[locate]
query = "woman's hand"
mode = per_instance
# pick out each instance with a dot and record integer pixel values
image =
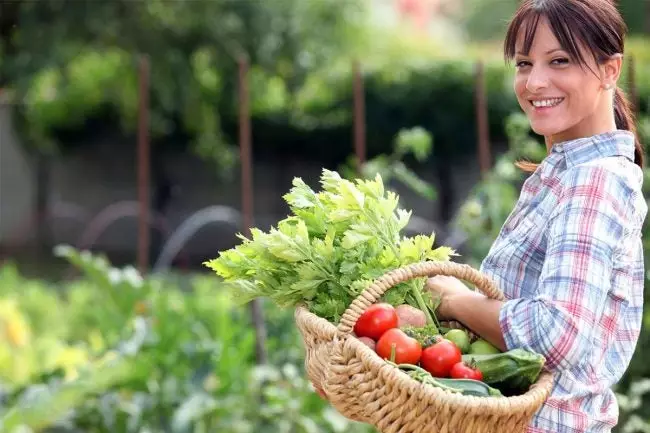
(447, 288)
(471, 308)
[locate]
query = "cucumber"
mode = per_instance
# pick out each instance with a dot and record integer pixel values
(511, 372)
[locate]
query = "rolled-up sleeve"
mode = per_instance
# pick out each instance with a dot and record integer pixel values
(582, 238)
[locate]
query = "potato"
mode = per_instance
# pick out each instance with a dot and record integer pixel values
(410, 316)
(368, 342)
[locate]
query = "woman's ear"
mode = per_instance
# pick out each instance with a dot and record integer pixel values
(611, 70)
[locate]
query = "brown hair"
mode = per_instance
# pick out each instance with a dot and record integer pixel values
(595, 23)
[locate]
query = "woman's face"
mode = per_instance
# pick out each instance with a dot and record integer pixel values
(561, 98)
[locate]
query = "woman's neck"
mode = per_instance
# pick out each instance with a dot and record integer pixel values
(593, 125)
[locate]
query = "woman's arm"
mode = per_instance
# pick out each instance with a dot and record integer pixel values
(480, 314)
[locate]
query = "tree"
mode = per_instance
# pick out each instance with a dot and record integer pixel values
(83, 52)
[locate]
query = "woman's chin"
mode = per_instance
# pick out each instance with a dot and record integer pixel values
(545, 129)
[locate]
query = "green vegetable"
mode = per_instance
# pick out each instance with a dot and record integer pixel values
(471, 387)
(426, 335)
(461, 386)
(332, 246)
(482, 347)
(512, 372)
(460, 338)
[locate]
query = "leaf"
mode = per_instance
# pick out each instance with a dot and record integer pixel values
(410, 179)
(307, 288)
(351, 196)
(301, 195)
(416, 141)
(442, 254)
(403, 218)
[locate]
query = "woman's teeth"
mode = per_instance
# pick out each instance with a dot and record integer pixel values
(547, 102)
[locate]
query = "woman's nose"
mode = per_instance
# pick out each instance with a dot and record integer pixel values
(537, 80)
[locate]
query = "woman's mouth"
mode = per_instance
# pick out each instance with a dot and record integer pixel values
(543, 104)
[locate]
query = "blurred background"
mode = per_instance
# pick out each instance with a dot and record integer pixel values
(137, 138)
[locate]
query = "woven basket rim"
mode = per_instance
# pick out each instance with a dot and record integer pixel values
(427, 268)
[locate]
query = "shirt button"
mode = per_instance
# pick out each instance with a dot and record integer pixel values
(559, 148)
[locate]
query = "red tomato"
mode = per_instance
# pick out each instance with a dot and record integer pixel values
(440, 358)
(376, 320)
(461, 370)
(407, 349)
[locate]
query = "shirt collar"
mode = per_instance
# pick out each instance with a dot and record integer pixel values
(581, 150)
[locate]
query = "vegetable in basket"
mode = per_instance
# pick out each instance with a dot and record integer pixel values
(399, 347)
(513, 372)
(439, 358)
(460, 338)
(376, 320)
(332, 246)
(426, 335)
(471, 387)
(410, 316)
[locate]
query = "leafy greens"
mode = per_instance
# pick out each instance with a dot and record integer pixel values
(335, 243)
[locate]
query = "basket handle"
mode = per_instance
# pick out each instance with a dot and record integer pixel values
(424, 269)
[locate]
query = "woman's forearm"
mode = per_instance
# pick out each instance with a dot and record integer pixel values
(479, 313)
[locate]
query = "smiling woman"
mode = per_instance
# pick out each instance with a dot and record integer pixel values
(569, 257)
(568, 57)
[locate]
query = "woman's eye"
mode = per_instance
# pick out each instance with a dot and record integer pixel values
(560, 61)
(522, 63)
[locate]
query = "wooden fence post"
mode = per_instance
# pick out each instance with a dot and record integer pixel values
(144, 162)
(359, 116)
(245, 149)
(482, 126)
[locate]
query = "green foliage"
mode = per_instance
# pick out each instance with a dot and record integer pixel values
(300, 76)
(333, 245)
(635, 14)
(630, 404)
(83, 66)
(286, 113)
(415, 142)
(488, 19)
(115, 352)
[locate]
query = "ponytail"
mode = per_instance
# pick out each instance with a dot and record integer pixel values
(625, 119)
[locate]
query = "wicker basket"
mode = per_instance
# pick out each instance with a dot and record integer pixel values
(363, 387)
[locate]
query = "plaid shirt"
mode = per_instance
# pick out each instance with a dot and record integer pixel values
(569, 260)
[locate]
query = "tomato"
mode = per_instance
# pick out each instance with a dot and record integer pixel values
(461, 370)
(376, 320)
(407, 350)
(440, 358)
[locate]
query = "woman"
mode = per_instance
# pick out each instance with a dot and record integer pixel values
(569, 257)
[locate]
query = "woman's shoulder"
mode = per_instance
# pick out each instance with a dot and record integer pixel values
(606, 181)
(603, 174)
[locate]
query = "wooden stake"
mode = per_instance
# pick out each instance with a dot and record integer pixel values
(245, 148)
(143, 165)
(482, 126)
